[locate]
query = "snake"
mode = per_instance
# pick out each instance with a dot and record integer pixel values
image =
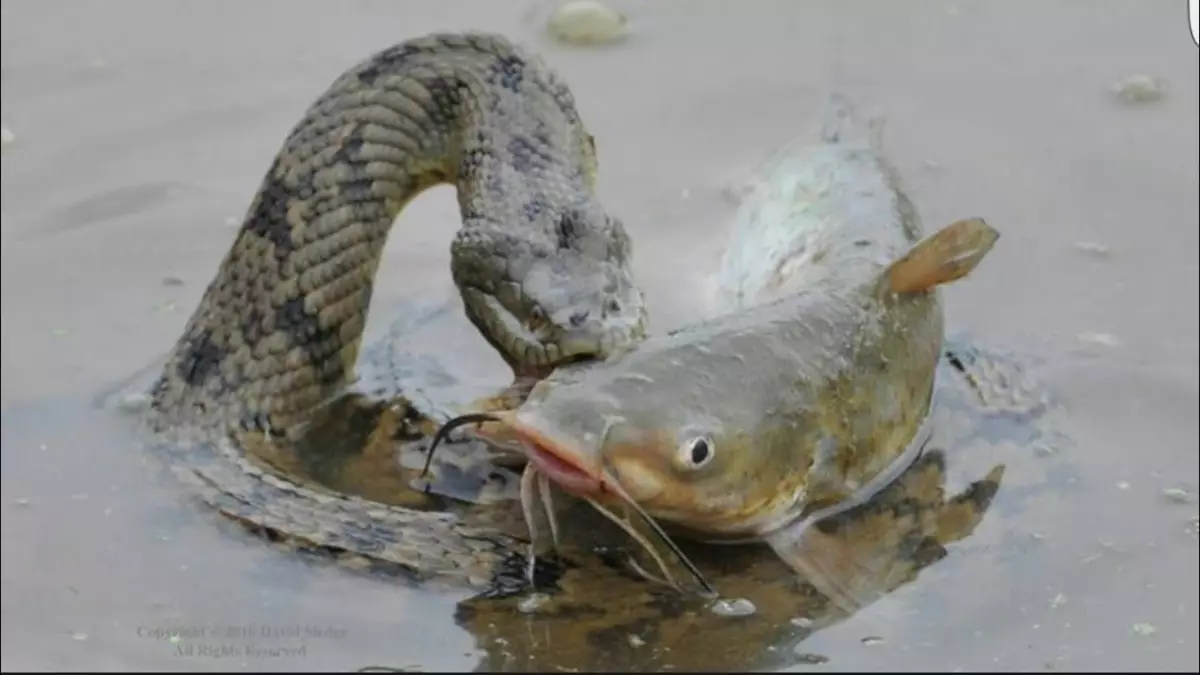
(264, 370)
(542, 267)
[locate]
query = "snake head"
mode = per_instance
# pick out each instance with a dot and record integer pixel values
(549, 293)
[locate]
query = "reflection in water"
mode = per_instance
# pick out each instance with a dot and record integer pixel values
(120, 202)
(855, 558)
(600, 615)
(602, 618)
(597, 614)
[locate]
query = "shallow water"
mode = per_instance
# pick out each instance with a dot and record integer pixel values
(141, 128)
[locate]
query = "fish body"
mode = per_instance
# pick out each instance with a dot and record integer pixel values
(812, 384)
(812, 198)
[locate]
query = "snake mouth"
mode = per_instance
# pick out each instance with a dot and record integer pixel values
(537, 372)
(533, 347)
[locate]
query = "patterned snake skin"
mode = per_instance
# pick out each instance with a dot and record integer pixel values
(543, 270)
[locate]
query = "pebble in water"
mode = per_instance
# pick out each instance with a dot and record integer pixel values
(1144, 629)
(1177, 495)
(810, 659)
(1094, 248)
(733, 607)
(802, 622)
(587, 22)
(1139, 89)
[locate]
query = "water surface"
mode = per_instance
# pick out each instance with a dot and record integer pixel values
(143, 128)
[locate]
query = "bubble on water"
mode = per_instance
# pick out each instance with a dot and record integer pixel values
(733, 607)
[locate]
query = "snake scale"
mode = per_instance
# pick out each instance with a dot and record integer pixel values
(544, 273)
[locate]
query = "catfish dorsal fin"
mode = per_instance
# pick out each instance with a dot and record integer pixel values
(944, 256)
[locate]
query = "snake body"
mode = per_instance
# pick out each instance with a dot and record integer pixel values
(542, 267)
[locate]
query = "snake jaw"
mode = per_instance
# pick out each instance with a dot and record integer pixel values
(534, 343)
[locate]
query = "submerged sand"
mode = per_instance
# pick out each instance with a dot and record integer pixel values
(141, 129)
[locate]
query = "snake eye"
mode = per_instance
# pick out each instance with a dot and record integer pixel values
(697, 452)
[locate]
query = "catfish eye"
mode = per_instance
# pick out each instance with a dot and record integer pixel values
(697, 452)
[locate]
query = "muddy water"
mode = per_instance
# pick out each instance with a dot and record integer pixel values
(141, 128)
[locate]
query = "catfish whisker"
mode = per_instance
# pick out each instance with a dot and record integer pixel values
(449, 426)
(529, 490)
(637, 567)
(666, 539)
(639, 538)
(548, 506)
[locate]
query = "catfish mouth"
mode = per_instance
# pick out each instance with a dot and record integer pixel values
(557, 462)
(554, 460)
